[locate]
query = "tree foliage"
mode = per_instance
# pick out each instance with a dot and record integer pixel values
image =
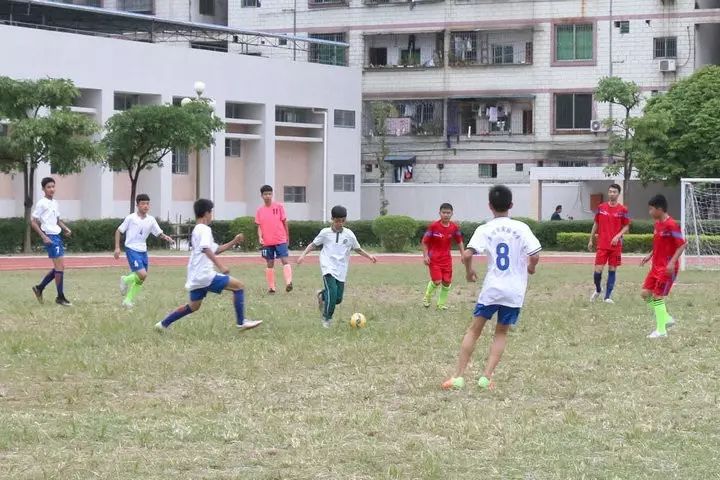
(42, 128)
(381, 112)
(141, 137)
(680, 130)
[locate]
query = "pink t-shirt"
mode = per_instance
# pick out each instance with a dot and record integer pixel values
(270, 219)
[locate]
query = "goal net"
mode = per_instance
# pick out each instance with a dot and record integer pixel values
(701, 223)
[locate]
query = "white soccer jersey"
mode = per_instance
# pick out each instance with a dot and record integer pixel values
(137, 229)
(335, 253)
(508, 243)
(48, 212)
(201, 270)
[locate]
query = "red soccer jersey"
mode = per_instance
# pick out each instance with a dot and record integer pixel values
(438, 239)
(667, 239)
(610, 220)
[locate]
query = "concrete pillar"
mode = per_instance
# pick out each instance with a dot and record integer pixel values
(535, 199)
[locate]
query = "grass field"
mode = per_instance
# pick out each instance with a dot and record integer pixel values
(94, 392)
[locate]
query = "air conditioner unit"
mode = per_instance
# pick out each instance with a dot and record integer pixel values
(596, 126)
(668, 65)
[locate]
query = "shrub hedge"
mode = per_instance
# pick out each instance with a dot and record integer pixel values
(97, 235)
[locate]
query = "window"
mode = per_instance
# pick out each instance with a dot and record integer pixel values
(177, 101)
(345, 118)
(180, 164)
(294, 194)
(368, 168)
(666, 47)
(573, 163)
(573, 111)
(291, 115)
(377, 57)
(410, 57)
(146, 7)
(232, 147)
(623, 25)
(233, 110)
(503, 54)
(519, 167)
(218, 46)
(574, 42)
(487, 170)
(207, 7)
(344, 183)
(125, 101)
(327, 54)
(282, 42)
(250, 3)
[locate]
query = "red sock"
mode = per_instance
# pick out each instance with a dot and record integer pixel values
(270, 277)
(287, 273)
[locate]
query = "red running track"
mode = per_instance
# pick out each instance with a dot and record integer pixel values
(11, 263)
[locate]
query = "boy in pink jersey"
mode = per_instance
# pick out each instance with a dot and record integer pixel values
(274, 237)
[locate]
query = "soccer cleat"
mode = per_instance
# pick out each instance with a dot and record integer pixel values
(63, 302)
(38, 293)
(426, 302)
(271, 291)
(159, 327)
(670, 323)
(656, 334)
(453, 383)
(320, 300)
(594, 296)
(127, 304)
(248, 324)
(326, 323)
(486, 383)
(442, 307)
(123, 286)
(289, 287)
(608, 300)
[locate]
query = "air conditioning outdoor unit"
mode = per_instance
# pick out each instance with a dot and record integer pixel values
(668, 66)
(596, 126)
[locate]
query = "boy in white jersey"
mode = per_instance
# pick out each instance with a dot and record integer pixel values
(46, 222)
(137, 227)
(202, 277)
(513, 252)
(337, 242)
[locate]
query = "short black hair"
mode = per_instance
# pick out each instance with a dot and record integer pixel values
(265, 188)
(338, 211)
(659, 201)
(202, 206)
(446, 206)
(500, 198)
(142, 197)
(616, 187)
(47, 180)
(559, 207)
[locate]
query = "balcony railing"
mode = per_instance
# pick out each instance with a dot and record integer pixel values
(328, 3)
(491, 48)
(415, 50)
(373, 3)
(137, 6)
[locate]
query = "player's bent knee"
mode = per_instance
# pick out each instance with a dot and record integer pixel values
(195, 306)
(234, 284)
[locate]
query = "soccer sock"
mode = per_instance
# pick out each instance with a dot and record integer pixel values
(130, 278)
(597, 277)
(270, 277)
(47, 279)
(239, 303)
(176, 315)
(133, 291)
(660, 315)
(610, 284)
(287, 273)
(430, 290)
(442, 298)
(59, 283)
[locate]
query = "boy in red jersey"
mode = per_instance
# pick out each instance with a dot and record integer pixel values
(436, 245)
(668, 245)
(612, 221)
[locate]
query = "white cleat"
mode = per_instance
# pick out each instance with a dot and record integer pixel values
(128, 305)
(656, 334)
(248, 324)
(608, 300)
(123, 287)
(594, 296)
(670, 323)
(326, 323)
(159, 327)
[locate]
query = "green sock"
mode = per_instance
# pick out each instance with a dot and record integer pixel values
(133, 290)
(660, 315)
(442, 298)
(130, 278)
(430, 290)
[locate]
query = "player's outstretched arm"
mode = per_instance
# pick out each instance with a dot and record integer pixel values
(307, 250)
(365, 254)
(116, 253)
(231, 244)
(213, 258)
(168, 239)
(467, 258)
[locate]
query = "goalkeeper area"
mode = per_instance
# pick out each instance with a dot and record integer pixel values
(700, 222)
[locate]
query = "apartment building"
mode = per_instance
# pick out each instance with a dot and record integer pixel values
(485, 90)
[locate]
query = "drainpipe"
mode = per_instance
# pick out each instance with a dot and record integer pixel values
(325, 157)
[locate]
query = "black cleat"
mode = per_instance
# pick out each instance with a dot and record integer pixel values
(289, 287)
(63, 301)
(271, 292)
(38, 293)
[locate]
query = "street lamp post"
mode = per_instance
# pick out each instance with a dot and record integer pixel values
(199, 87)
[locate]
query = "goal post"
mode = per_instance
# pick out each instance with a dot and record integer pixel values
(700, 222)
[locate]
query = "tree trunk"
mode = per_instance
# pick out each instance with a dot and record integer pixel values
(29, 193)
(383, 201)
(627, 167)
(133, 189)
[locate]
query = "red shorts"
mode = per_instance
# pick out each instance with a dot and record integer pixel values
(611, 256)
(659, 283)
(441, 273)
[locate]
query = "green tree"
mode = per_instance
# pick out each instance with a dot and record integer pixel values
(680, 131)
(381, 112)
(622, 146)
(41, 128)
(139, 138)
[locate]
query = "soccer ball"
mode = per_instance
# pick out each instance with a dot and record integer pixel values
(358, 320)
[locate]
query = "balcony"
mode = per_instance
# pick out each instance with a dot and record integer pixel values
(412, 118)
(414, 50)
(375, 3)
(490, 117)
(483, 48)
(146, 7)
(318, 4)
